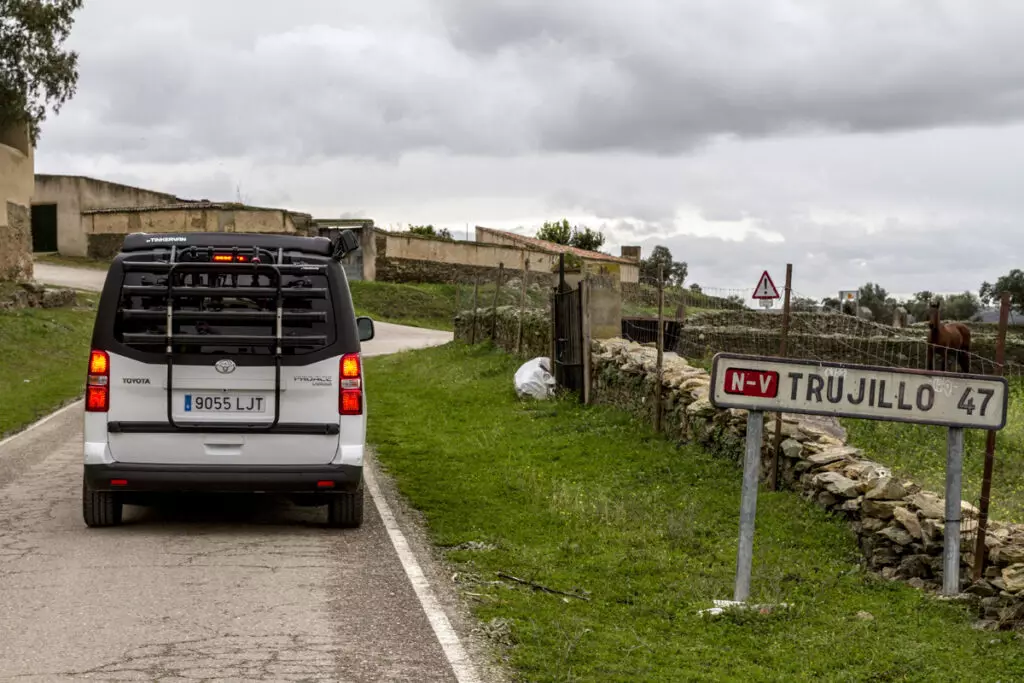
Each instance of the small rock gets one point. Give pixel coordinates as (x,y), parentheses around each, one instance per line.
(896,535)
(1006,555)
(916,582)
(832,455)
(1013,578)
(837,484)
(886,488)
(1012,613)
(884,557)
(909,521)
(982,589)
(826,499)
(914,566)
(865,616)
(883,509)
(852,505)
(985,625)
(791,448)
(872,523)
(888,573)
(930,505)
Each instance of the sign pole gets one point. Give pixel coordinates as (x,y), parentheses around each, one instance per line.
(748,504)
(954,480)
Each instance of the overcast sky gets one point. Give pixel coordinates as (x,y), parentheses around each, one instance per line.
(871,141)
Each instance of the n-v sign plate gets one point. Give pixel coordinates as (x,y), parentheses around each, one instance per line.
(765,288)
(783,385)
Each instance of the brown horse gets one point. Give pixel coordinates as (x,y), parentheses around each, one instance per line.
(955,337)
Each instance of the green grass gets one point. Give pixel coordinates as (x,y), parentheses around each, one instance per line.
(72,261)
(919,453)
(586,499)
(423,305)
(429,305)
(44,354)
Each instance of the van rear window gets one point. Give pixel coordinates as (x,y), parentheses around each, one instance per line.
(221,310)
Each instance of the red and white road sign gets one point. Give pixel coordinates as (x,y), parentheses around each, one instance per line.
(765,288)
(758,383)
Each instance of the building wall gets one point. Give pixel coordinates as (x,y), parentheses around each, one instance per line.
(16,183)
(627,272)
(75,194)
(412,247)
(106,231)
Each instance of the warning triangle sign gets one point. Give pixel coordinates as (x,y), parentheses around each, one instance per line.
(765,288)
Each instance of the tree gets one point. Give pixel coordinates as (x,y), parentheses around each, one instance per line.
(588,239)
(34,70)
(874,298)
(963,306)
(695,288)
(429,231)
(557,232)
(1012,282)
(673,272)
(560,232)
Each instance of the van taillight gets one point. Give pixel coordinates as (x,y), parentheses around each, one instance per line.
(350,396)
(97,385)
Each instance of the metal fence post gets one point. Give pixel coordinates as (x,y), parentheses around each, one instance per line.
(748,504)
(980,549)
(774,472)
(954,482)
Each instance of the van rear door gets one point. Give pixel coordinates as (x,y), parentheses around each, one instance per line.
(249,375)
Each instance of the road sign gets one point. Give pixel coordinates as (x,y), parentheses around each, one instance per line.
(849,295)
(765,288)
(767,303)
(782,385)
(860,391)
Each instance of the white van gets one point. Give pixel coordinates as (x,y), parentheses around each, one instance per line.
(226,362)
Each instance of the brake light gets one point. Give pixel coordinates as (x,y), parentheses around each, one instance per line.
(97,385)
(228,258)
(350,396)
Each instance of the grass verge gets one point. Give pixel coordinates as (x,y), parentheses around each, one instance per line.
(586,499)
(419,305)
(44,353)
(919,453)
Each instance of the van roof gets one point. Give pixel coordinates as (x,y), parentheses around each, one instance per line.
(143,241)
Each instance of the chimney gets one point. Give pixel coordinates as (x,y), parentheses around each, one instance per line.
(632,253)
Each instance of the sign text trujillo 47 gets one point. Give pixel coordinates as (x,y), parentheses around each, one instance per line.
(764,384)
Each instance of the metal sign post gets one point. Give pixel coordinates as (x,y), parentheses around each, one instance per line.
(762,384)
(748,505)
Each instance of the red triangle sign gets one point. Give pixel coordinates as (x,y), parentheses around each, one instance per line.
(765,288)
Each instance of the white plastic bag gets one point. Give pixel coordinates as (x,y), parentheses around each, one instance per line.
(534,378)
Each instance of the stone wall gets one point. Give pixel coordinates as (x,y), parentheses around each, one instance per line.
(899,526)
(16,184)
(536,329)
(35,295)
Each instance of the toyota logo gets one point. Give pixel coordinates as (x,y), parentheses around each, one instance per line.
(225,366)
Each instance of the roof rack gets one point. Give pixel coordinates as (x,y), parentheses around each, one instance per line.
(195,272)
(142,241)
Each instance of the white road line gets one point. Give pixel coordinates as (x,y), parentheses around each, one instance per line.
(40,423)
(461,665)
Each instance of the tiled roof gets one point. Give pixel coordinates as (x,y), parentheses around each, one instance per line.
(552,247)
(225,206)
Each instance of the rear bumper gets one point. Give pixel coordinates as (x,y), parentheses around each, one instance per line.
(209,478)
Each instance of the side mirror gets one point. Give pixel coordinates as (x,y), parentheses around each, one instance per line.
(365,327)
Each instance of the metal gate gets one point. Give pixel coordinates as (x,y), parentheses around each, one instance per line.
(567,311)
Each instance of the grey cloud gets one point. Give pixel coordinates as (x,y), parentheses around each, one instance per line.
(190,80)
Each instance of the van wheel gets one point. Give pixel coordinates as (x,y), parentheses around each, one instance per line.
(100,508)
(345,509)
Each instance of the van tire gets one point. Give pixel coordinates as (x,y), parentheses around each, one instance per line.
(100,508)
(345,509)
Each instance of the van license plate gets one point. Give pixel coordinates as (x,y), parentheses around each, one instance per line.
(224,403)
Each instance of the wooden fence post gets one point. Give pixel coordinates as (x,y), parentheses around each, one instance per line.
(774,472)
(476,293)
(658,404)
(522,307)
(980,549)
(494,302)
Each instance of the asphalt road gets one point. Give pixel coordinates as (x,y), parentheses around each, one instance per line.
(213,588)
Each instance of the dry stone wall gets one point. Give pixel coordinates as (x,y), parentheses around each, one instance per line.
(536,329)
(899,526)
